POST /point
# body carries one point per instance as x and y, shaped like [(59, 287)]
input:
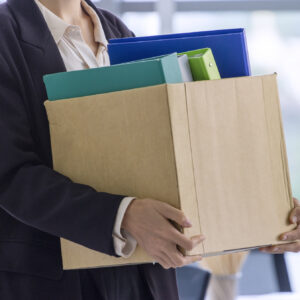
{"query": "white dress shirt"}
[(77, 55)]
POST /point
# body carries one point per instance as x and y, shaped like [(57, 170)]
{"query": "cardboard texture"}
[(214, 149)]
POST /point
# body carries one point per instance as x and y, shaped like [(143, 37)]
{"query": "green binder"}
[(203, 64), (113, 78)]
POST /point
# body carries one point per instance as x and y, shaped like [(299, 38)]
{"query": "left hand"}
[(293, 236)]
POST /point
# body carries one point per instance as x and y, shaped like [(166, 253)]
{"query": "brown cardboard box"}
[(214, 149)]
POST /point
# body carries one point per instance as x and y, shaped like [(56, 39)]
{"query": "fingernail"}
[(275, 249), (283, 238), (187, 223), (294, 220)]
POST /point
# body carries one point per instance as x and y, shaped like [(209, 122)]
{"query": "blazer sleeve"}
[(37, 195)]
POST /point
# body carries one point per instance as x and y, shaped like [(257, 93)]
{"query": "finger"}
[(296, 202), (182, 261), (295, 215), (291, 235), (174, 214), (175, 256), (192, 259), (179, 260), (269, 249), (292, 247), (197, 240), (166, 257), (162, 261), (184, 242), (263, 249)]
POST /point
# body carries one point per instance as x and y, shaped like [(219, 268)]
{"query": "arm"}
[(38, 196)]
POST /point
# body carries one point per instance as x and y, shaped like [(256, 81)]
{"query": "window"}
[(273, 41)]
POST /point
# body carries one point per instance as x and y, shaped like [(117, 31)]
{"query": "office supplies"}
[(214, 149), (229, 48), (185, 68), (136, 74), (203, 65)]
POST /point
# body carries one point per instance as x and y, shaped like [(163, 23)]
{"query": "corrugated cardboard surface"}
[(215, 149), (119, 143), (240, 173)]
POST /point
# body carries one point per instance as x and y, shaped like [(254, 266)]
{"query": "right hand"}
[(147, 220)]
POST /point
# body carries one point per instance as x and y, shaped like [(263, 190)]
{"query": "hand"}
[(147, 220), (289, 236)]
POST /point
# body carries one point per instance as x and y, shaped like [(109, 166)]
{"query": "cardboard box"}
[(214, 149)]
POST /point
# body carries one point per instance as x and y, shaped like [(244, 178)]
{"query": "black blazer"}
[(37, 204)]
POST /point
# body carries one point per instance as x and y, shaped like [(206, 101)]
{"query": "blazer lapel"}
[(33, 28), (38, 46)]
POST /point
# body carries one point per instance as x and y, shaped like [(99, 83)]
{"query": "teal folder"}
[(114, 78)]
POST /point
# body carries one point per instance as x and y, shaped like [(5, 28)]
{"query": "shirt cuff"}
[(124, 243)]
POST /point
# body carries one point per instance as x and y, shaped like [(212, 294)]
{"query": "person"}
[(292, 238), (39, 205)]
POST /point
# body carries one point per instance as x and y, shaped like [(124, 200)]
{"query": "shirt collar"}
[(99, 34), (58, 27)]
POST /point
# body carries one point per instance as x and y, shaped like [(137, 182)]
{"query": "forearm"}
[(42, 198)]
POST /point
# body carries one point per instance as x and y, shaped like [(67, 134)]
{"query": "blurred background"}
[(273, 33)]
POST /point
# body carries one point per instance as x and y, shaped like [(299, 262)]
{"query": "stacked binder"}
[(165, 69), (228, 46), (203, 65)]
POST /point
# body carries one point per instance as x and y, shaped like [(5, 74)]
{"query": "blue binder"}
[(229, 47)]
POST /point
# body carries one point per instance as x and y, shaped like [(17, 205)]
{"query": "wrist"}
[(126, 219)]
